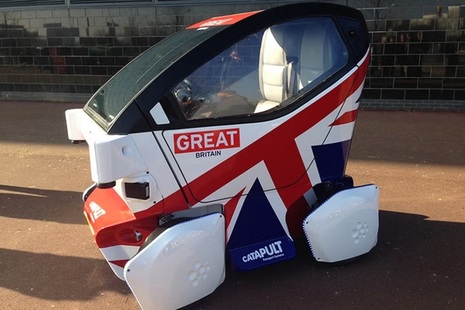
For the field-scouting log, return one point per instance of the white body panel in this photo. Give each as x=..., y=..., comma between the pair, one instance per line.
x=183, y=264
x=112, y=157
x=345, y=226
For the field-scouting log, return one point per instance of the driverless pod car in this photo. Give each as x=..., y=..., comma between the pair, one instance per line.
x=229, y=138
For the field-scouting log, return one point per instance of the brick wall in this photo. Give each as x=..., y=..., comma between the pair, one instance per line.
x=418, y=57
x=418, y=62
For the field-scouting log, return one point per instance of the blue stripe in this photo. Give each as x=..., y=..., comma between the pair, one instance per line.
x=331, y=160
x=258, y=238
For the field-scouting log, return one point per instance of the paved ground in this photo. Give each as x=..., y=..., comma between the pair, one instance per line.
x=48, y=258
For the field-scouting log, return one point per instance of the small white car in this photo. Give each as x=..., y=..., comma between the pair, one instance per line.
x=229, y=138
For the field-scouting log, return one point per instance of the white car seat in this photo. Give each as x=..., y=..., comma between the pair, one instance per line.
x=314, y=56
x=278, y=57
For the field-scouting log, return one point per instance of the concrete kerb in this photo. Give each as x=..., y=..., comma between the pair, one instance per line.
x=46, y=97
x=366, y=104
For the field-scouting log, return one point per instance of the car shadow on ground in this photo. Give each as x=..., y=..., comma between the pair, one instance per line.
x=40, y=204
x=57, y=277
x=417, y=264
x=413, y=255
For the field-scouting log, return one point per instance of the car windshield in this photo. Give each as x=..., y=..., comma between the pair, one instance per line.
x=264, y=72
x=118, y=92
